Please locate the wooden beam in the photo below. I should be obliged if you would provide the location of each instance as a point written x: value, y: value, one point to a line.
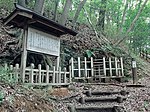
x: 25, y: 14
x: 24, y: 54
x: 10, y: 18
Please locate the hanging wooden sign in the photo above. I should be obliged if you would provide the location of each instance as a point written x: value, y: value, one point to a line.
x: 42, y: 42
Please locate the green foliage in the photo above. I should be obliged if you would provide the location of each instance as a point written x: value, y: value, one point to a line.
x: 90, y: 53
x: 6, y: 76
x: 7, y: 5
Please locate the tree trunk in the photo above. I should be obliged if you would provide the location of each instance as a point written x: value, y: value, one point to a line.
x: 22, y: 3
x: 101, y: 39
x: 64, y: 15
x: 123, y: 16
x: 78, y: 12
x: 133, y: 23
x: 55, y: 10
x: 101, y: 18
x: 38, y: 7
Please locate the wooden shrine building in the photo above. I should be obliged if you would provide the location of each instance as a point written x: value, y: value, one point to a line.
x: 39, y: 34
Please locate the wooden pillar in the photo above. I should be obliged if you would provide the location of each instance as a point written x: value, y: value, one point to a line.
x: 24, y: 54
x: 59, y: 76
x: 110, y: 67
x: 58, y: 64
x: 70, y: 75
x: 116, y: 66
x: 32, y: 73
x: 104, y: 66
x: 72, y: 67
x: 65, y: 76
x: 40, y: 74
x: 54, y: 76
x: 79, y: 71
x: 85, y: 67
x: 47, y: 74
x: 92, y: 68
x: 17, y: 72
x: 134, y: 71
x: 122, y: 73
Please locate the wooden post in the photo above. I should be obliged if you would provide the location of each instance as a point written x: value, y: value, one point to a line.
x: 24, y: 53
x: 17, y: 72
x: 70, y: 75
x: 59, y: 77
x: 58, y: 60
x: 146, y: 53
x: 85, y: 67
x: 92, y: 68
x: 79, y: 71
x: 39, y: 67
x: 11, y: 69
x: 104, y: 66
x: 54, y: 76
x: 72, y: 67
x: 116, y: 66
x: 110, y: 67
x: 32, y: 73
x: 65, y: 77
x: 5, y: 66
x: 122, y: 73
x: 47, y: 74
x: 134, y: 71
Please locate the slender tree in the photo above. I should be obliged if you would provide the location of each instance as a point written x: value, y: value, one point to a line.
x: 78, y: 12
x: 39, y: 5
x: 133, y: 23
x: 55, y: 9
x: 101, y: 18
x: 65, y: 12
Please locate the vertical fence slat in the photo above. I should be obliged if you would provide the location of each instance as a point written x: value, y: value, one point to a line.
x: 79, y: 71
x: 110, y: 67
x: 11, y: 69
x: 104, y: 66
x: 59, y: 75
x: 116, y: 67
x: 17, y: 72
x: 72, y: 67
x: 85, y: 66
x: 65, y: 76
x: 5, y: 66
x: 47, y: 74
x: 39, y: 68
x: 70, y: 75
x: 54, y: 76
x: 32, y: 73
x: 122, y: 73
x: 92, y: 69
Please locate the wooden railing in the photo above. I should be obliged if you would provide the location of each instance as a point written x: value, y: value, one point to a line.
x: 145, y: 55
x: 102, y: 68
x: 40, y: 76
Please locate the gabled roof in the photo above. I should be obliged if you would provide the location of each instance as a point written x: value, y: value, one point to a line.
x: 22, y: 16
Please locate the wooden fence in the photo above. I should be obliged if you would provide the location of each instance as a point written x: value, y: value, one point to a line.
x: 40, y: 76
x: 145, y: 55
x: 97, y: 68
